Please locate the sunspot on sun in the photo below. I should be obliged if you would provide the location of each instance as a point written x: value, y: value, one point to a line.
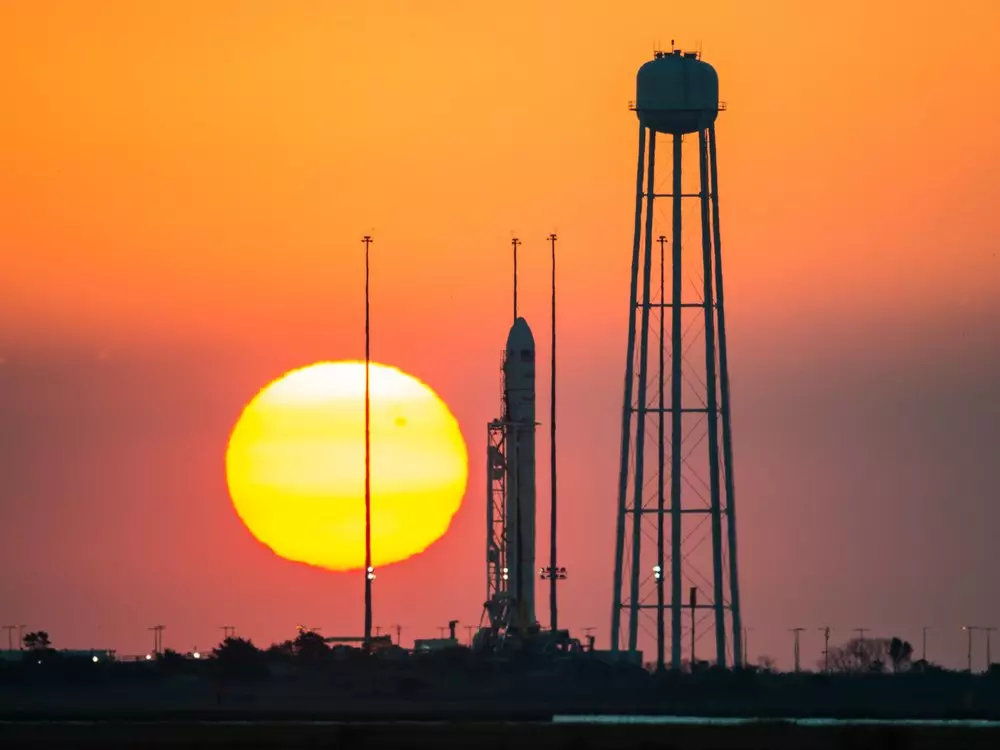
x: 295, y: 465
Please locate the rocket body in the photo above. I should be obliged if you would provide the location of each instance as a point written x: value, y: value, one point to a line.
x: 519, y: 404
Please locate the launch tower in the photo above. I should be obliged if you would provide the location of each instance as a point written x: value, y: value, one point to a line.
x: 510, y: 506
x: 676, y: 471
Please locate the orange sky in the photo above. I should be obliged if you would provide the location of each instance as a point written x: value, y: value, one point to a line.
x: 194, y: 177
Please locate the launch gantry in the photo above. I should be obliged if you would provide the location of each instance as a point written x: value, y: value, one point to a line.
x: 510, y: 502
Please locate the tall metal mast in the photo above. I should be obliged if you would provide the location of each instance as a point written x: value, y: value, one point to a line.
x: 514, y: 242
x: 553, y: 570
x: 369, y: 571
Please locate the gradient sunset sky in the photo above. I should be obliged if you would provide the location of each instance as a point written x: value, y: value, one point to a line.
x: 183, y: 189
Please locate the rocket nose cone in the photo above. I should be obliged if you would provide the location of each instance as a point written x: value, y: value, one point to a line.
x: 520, y: 336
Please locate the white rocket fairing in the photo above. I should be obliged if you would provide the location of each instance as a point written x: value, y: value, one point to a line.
x: 519, y: 405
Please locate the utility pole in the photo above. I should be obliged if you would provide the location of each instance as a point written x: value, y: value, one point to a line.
x: 20, y: 637
x: 795, y: 632
x: 399, y: 633
x: 923, y: 643
x: 157, y: 631
x: 514, y: 242
x: 989, y: 659
x: 369, y: 570
x: 469, y: 629
x: 10, y: 636
x: 826, y: 648
x: 228, y: 631
x: 861, y: 653
x: 553, y: 571
x: 968, y: 629
x: 746, y: 640
x: 378, y: 630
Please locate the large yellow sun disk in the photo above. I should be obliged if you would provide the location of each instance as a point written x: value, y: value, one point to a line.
x: 295, y: 465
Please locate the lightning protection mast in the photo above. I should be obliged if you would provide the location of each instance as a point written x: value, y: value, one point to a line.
x: 369, y: 570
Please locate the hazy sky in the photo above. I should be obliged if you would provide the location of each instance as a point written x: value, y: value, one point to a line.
x: 183, y: 193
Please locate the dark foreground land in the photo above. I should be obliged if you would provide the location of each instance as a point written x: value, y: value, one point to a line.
x: 486, y: 736
x: 459, y: 701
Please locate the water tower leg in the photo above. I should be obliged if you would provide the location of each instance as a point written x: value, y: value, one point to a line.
x: 616, y: 609
x: 676, y: 436
x: 640, y: 433
x: 712, y: 411
x: 727, y: 438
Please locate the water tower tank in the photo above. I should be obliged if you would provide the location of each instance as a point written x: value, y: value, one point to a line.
x: 677, y: 93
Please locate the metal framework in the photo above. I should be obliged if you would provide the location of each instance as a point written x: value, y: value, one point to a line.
x: 496, y: 511
x: 688, y: 497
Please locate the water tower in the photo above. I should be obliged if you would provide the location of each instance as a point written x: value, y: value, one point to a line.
x: 675, y: 546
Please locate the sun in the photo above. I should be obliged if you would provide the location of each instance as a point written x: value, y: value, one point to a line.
x: 296, y: 461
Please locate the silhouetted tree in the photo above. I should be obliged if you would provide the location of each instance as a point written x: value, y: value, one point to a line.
x: 284, y: 649
x: 309, y: 646
x: 37, y: 641
x: 236, y: 649
x: 766, y: 663
x: 238, y: 656
x: 861, y: 655
x: 900, y: 652
x: 171, y: 661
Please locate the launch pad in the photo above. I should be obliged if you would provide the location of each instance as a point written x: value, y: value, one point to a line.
x: 510, y: 503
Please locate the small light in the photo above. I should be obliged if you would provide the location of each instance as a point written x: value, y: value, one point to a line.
x: 371, y: 576
x: 505, y: 576
x: 95, y: 659
x: 656, y: 568
x: 196, y: 655
x: 149, y: 657
x: 505, y: 571
x: 371, y: 569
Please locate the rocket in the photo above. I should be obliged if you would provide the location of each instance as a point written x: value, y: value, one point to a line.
x: 519, y: 419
